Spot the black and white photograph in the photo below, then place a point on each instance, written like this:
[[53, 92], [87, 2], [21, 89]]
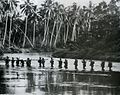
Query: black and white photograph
[[59, 47]]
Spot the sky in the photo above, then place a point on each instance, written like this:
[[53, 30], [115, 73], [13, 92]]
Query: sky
[[70, 2], [79, 2]]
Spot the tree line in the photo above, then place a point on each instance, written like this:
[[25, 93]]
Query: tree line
[[52, 25]]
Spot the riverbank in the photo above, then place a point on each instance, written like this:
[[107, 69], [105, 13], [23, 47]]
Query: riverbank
[[67, 53], [87, 54], [23, 50], [18, 50]]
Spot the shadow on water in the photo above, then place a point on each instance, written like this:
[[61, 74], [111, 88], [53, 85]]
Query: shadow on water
[[4, 89], [46, 81], [66, 83], [55, 82], [30, 81]]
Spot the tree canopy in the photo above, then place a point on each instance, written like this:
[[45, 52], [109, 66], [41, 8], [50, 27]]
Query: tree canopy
[[52, 25]]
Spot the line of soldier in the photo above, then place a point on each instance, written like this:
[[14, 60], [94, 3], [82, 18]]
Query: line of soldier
[[41, 62], [18, 62], [92, 64]]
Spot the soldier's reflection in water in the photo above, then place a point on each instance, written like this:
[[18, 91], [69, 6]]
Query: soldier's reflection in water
[[49, 83], [3, 86], [31, 82], [46, 81], [67, 83]]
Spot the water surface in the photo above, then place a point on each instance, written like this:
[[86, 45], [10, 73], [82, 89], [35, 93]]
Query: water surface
[[47, 81]]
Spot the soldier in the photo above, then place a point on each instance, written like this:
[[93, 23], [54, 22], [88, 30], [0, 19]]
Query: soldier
[[12, 61], [52, 62], [84, 64], [40, 61], [17, 62], [7, 61], [92, 65], [60, 63], [43, 62], [22, 63], [28, 62], [76, 63], [66, 64], [110, 65], [103, 65]]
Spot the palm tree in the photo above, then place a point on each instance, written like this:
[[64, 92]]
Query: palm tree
[[34, 17], [1, 15], [27, 9], [88, 17], [60, 9], [47, 8], [76, 17], [13, 11], [1, 22], [68, 24], [55, 5], [51, 38], [10, 9], [5, 8]]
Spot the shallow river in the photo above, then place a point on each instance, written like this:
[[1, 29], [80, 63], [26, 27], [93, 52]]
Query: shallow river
[[47, 81]]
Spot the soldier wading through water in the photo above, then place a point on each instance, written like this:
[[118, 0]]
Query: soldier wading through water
[[22, 63], [17, 62], [60, 63], [43, 62], [52, 62], [92, 65], [110, 65], [66, 64], [28, 62], [7, 61], [12, 61], [84, 64], [40, 61], [103, 65], [76, 63]]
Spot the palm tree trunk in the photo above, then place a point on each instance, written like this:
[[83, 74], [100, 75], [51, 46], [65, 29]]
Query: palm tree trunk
[[89, 25], [10, 32], [5, 29], [51, 38], [45, 31], [47, 37], [67, 33], [58, 32], [16, 29], [74, 31], [34, 33], [25, 33], [78, 31], [64, 34]]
